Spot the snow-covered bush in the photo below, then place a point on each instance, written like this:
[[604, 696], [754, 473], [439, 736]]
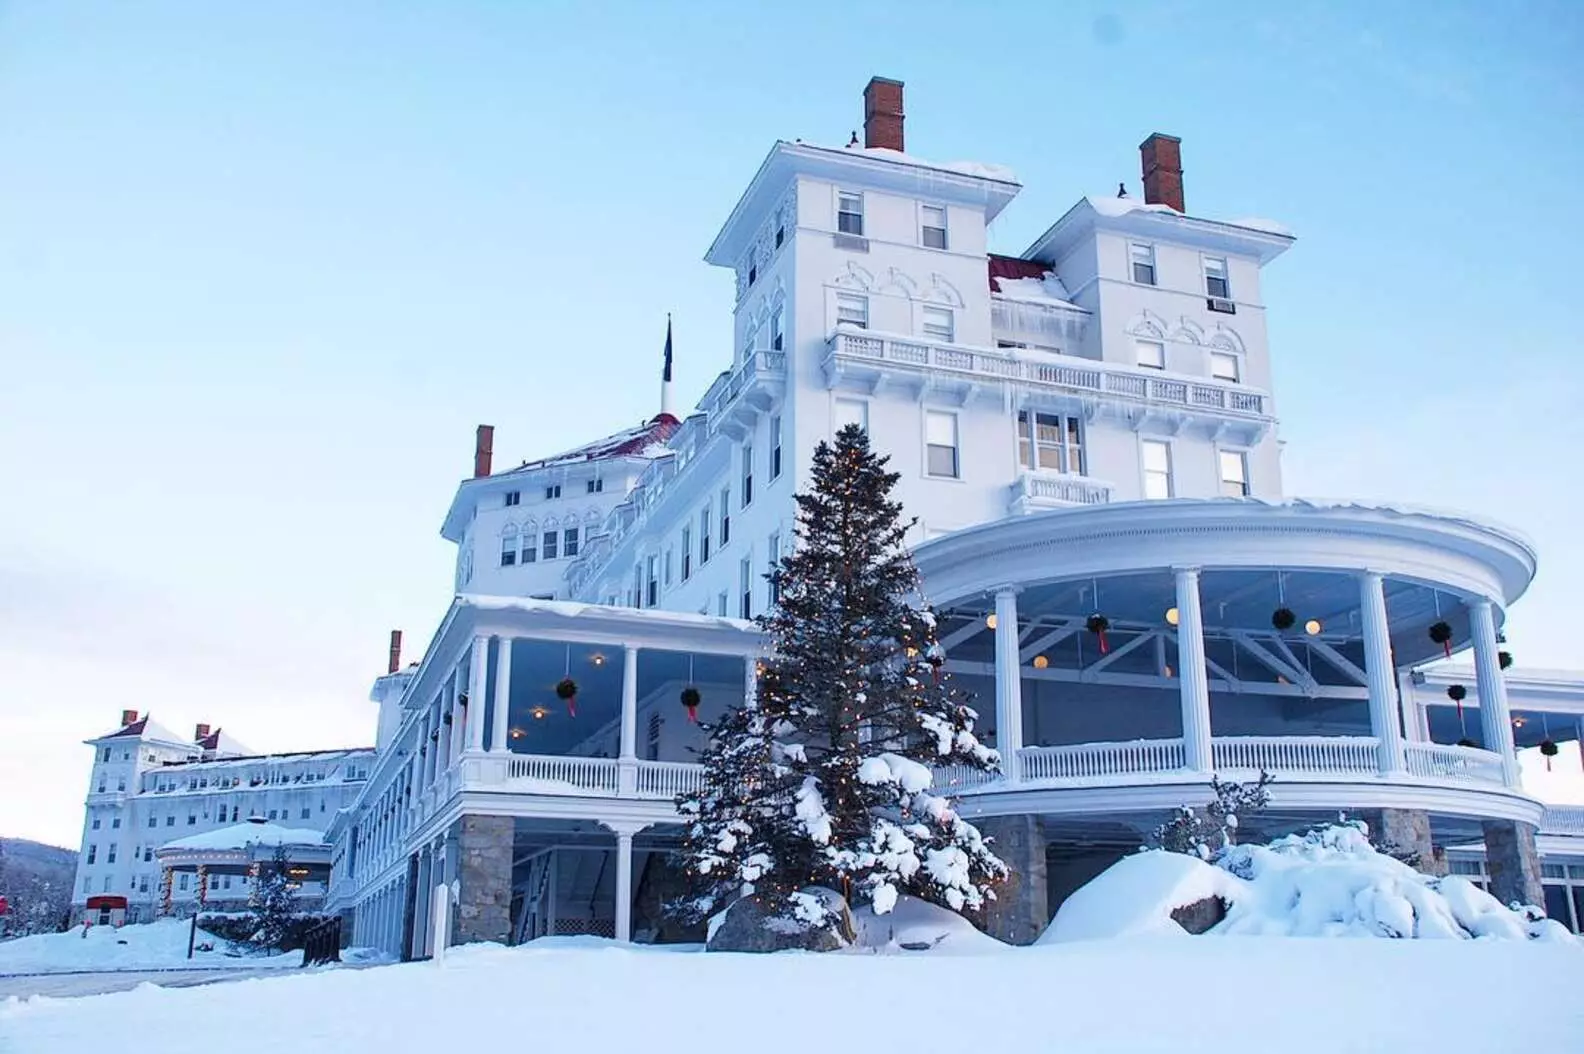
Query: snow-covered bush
[[1203, 834], [1328, 882]]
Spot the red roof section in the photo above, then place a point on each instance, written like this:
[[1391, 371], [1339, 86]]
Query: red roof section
[[628, 442], [134, 729], [1012, 267], [211, 741]]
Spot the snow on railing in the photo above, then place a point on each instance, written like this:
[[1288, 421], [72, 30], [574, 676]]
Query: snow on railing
[[667, 779], [1034, 489], [1310, 754], [1090, 760], [1563, 819], [1444, 762], [1080, 375], [579, 774]]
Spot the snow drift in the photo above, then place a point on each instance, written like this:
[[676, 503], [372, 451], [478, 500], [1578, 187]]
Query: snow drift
[[1329, 882], [160, 945]]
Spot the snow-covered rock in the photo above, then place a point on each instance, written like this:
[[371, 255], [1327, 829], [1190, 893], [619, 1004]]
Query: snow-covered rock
[[913, 925], [819, 921], [1330, 882]]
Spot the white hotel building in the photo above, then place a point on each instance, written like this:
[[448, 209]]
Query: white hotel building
[[1086, 429]]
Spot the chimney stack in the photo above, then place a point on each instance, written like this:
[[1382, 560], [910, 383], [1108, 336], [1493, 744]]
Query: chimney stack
[[883, 114], [200, 732], [1162, 158], [483, 451], [128, 717], [395, 648]]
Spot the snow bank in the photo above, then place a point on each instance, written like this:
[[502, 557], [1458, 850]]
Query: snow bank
[[1099, 997], [914, 925], [152, 946], [1327, 883]]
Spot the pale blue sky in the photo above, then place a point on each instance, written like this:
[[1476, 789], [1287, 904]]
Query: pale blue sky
[[263, 267]]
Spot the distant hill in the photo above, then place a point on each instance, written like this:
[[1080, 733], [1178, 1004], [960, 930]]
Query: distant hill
[[36, 880]]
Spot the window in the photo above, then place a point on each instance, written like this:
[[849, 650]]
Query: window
[[934, 236], [940, 444], [852, 309], [773, 549], [148, 854], [747, 474], [1157, 469], [1224, 367], [513, 497], [1143, 258], [115, 823], [110, 855], [272, 813], [938, 323], [851, 412], [547, 544], [687, 553], [569, 542], [106, 753], [530, 545], [653, 594], [720, 604], [92, 852], [725, 515], [704, 536], [143, 884], [666, 568], [509, 548], [182, 880], [849, 213], [775, 446], [1055, 442], [96, 823], [777, 332], [86, 880], [107, 882], [192, 818], [1234, 473], [745, 587], [152, 821], [552, 492], [1215, 275], [1150, 353], [305, 814], [101, 784], [596, 486]]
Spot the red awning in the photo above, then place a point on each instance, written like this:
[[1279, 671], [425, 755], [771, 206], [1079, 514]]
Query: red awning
[[111, 901]]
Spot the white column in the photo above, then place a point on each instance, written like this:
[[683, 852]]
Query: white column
[[502, 696], [624, 841], [1495, 718], [1191, 677], [629, 703], [1408, 708], [475, 694], [1009, 684], [750, 682], [441, 920], [1379, 671], [453, 731]]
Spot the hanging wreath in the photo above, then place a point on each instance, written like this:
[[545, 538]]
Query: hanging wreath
[[1283, 619], [1098, 624], [1548, 747], [1504, 659], [1441, 633], [566, 689], [1457, 693], [691, 700], [447, 717], [462, 700]]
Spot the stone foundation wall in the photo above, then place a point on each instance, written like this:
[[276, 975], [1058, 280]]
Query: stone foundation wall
[[1407, 831], [1021, 909], [1513, 862], [484, 872]]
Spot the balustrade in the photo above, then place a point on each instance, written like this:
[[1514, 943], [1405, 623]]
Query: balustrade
[[1312, 755], [1444, 762], [1094, 760]]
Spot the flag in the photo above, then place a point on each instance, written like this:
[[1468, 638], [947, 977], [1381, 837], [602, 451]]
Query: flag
[[666, 374]]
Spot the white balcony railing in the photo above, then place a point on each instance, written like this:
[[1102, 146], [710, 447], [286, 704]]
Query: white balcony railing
[[1563, 819], [1054, 373], [667, 779], [579, 775], [1049, 490], [1311, 755], [1444, 762], [1086, 761]]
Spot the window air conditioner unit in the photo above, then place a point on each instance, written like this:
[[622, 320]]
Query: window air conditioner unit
[[853, 242], [1222, 304]]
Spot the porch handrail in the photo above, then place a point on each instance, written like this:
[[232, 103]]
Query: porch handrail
[[1353, 755], [1090, 760], [1447, 762]]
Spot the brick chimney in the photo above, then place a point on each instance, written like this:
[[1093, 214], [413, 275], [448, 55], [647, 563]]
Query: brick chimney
[[1162, 158], [883, 114], [395, 648], [200, 732], [128, 717], [483, 451]]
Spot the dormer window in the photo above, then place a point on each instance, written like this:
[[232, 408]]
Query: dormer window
[[513, 497], [850, 213], [1142, 255], [552, 492], [933, 235]]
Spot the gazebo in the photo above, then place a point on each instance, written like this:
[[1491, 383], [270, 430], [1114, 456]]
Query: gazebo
[[243, 850]]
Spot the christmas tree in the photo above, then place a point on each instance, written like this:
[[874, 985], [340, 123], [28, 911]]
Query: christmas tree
[[273, 902], [828, 780]]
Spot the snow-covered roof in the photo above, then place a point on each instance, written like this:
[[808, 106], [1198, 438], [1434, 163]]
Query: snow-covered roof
[[222, 742], [244, 760], [646, 440], [248, 833], [977, 169], [1264, 239]]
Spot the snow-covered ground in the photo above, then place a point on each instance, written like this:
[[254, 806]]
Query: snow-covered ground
[[158, 945], [1142, 995]]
